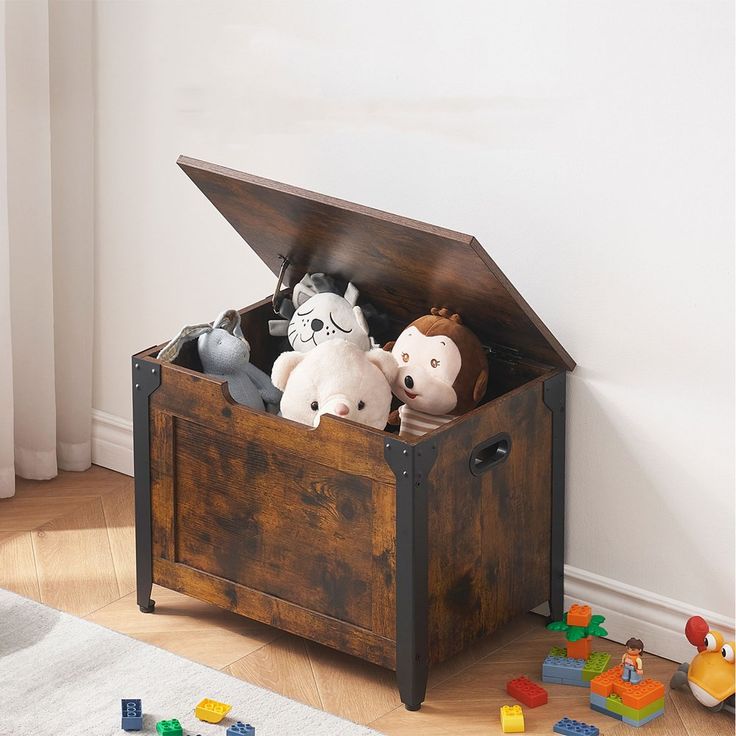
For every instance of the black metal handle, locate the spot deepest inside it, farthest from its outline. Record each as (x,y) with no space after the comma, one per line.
(490,453)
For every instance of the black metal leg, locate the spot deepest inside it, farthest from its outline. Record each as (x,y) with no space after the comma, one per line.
(411,465)
(555,399)
(146,379)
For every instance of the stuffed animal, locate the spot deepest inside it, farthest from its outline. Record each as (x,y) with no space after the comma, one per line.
(336,377)
(225,354)
(443,371)
(316,313)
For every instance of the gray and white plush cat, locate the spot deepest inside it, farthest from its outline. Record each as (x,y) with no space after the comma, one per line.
(317,313)
(225,355)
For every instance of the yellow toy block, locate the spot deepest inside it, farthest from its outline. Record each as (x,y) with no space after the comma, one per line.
(211,711)
(512,719)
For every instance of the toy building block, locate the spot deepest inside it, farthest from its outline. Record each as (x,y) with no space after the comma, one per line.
(635,705)
(211,711)
(171,727)
(569,727)
(241,729)
(132,719)
(512,719)
(579,615)
(581,648)
(527,692)
(595,665)
(564,671)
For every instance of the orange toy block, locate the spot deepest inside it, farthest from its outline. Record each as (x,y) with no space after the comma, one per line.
(633,696)
(579,649)
(603,684)
(578,616)
(641,695)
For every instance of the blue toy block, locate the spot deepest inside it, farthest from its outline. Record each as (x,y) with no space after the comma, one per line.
(606,712)
(547,678)
(132,719)
(569,727)
(241,729)
(598,700)
(631,722)
(564,667)
(576,683)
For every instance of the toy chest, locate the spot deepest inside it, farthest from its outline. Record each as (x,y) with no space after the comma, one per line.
(400,551)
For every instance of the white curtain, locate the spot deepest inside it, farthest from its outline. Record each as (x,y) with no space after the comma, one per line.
(46,238)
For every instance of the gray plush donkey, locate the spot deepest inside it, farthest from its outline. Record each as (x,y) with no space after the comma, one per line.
(225,355)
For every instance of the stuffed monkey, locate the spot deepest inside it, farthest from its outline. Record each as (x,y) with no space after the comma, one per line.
(443,371)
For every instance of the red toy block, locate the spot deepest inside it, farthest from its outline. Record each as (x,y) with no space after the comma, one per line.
(579,615)
(527,692)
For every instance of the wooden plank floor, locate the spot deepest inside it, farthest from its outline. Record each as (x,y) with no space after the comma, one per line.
(69,543)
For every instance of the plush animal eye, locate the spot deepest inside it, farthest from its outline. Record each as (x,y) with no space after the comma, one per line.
(405,357)
(434,362)
(710,643)
(361,405)
(727,652)
(314,406)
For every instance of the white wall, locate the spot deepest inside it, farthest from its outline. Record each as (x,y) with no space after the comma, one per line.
(588,146)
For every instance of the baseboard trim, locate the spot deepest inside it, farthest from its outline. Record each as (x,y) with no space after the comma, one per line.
(112,442)
(658,621)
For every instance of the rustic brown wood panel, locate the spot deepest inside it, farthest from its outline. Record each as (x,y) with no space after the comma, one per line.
(342,445)
(277,612)
(489,536)
(384,560)
(278,523)
(162,484)
(385,255)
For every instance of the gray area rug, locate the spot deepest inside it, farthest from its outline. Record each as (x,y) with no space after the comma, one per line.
(61,676)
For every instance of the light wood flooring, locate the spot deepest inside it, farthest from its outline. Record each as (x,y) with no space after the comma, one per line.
(69,543)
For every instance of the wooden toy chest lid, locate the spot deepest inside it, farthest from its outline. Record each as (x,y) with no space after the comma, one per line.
(402,266)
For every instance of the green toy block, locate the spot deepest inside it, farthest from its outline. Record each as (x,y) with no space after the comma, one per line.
(615,704)
(557,652)
(169,728)
(595,665)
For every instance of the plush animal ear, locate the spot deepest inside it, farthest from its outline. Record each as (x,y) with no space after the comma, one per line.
(389,346)
(385,362)
(284,365)
(351,295)
(186,334)
(360,319)
(481,383)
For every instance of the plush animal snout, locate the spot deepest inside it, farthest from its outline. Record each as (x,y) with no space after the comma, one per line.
(317,325)
(408,381)
(342,410)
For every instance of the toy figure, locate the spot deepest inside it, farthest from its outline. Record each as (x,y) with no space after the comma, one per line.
(443,371)
(633,668)
(711,674)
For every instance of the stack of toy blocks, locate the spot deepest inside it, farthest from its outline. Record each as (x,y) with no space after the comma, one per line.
(576,664)
(635,705)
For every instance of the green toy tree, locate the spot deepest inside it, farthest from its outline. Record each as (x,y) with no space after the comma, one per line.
(580,627)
